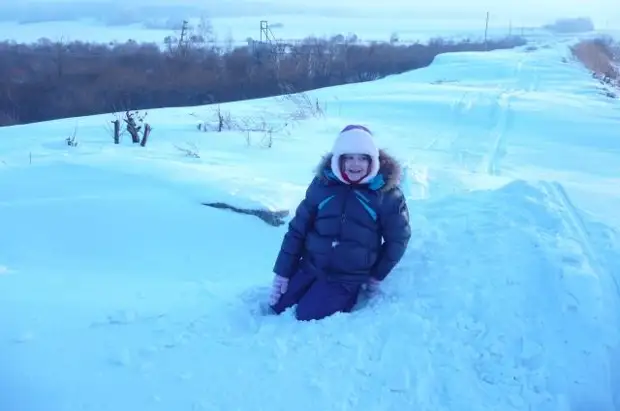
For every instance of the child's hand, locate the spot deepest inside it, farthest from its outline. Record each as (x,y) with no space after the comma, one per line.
(373,286)
(279,287)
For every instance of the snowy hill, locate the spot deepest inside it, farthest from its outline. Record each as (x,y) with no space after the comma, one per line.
(119,290)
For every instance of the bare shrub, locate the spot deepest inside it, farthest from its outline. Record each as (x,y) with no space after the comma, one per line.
(597,56)
(114,127)
(134,125)
(262,127)
(303,107)
(134,121)
(116,131)
(72,140)
(146,134)
(266,126)
(215,120)
(190,151)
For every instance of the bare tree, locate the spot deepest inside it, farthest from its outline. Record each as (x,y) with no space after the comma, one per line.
(59,56)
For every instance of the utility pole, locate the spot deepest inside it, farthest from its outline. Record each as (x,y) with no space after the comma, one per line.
(183,39)
(486,31)
(268,42)
(264,31)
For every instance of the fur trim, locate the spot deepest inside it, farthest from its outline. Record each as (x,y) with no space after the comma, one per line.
(389,168)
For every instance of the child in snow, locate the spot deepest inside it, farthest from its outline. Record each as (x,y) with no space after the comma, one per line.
(333,246)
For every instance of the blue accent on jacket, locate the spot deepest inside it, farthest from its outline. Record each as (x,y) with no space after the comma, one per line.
(348,232)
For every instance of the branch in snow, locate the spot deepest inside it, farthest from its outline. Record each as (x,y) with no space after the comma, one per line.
(192,151)
(72,141)
(273,218)
(267,125)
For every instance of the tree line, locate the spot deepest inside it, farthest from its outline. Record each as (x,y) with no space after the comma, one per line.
(49,80)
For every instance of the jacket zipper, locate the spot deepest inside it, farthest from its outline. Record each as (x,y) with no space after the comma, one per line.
(343,217)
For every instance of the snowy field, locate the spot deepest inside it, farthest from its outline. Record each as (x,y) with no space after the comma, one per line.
(120,291)
(292,27)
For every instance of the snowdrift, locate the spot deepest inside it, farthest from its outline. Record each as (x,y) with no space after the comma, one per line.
(504,301)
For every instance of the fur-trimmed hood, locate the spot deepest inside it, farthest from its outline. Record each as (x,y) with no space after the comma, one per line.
(390,171)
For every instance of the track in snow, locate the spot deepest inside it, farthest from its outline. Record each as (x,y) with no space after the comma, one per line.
(575,225)
(589,280)
(480,122)
(498,133)
(458,110)
(527,80)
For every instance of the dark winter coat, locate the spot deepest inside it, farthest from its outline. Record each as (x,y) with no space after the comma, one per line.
(337,230)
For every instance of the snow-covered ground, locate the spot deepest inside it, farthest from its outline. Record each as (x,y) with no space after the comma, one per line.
(120,291)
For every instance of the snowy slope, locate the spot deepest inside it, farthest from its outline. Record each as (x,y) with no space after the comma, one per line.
(118,290)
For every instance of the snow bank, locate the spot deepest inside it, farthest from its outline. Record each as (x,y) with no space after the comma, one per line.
(510,276)
(500,303)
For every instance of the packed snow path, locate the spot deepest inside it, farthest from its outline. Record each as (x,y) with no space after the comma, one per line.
(118,290)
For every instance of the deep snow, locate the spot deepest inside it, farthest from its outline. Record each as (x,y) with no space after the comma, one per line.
(119,291)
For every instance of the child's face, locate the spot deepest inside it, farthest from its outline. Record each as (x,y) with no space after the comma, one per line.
(356,166)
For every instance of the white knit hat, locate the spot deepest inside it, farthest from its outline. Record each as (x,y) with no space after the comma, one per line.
(354,139)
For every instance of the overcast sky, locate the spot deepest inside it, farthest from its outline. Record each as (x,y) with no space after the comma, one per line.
(600,10)
(597,8)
